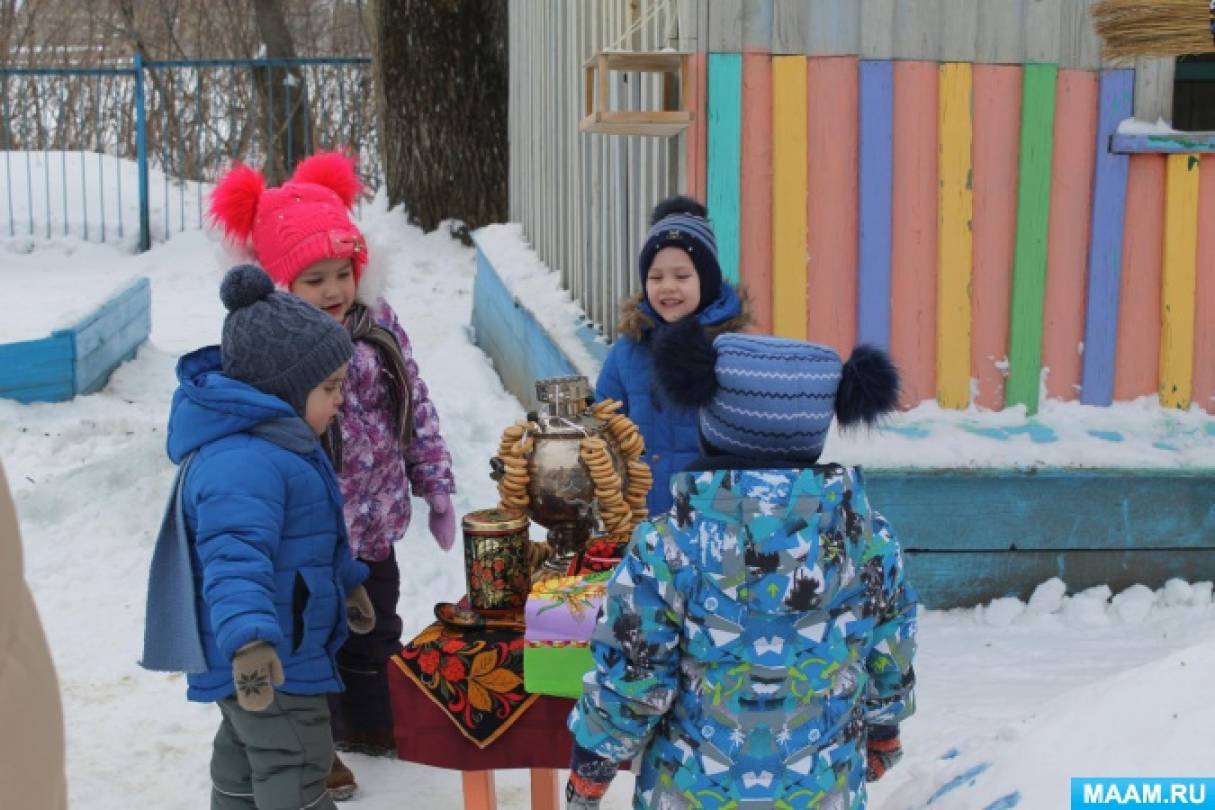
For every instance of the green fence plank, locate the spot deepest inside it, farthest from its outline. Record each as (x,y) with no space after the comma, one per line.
(1033,218)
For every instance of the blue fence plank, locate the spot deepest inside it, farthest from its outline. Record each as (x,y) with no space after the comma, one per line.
(725,157)
(1105,242)
(121,308)
(875,201)
(1055,510)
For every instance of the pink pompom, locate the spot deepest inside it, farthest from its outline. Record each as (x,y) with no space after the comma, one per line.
(334,171)
(234,201)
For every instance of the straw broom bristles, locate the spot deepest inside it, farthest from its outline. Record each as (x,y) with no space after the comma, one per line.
(1132,28)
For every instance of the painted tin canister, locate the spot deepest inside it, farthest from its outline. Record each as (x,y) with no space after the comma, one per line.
(495,558)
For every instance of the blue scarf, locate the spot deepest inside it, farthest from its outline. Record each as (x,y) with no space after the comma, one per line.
(172,641)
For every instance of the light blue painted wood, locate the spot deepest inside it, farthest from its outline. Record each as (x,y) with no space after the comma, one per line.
(1105,242)
(78,360)
(947,580)
(724,156)
(121,308)
(110,335)
(875,201)
(506,330)
(92,371)
(1048,510)
(1176,144)
(37,370)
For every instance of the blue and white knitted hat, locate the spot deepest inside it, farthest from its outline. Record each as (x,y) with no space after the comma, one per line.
(775,397)
(771,398)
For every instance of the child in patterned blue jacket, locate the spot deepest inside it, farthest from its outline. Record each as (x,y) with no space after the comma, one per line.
(755,647)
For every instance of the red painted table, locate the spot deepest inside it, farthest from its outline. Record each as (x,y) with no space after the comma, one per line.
(537,740)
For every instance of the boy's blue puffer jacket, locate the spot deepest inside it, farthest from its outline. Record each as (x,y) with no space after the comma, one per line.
(269,548)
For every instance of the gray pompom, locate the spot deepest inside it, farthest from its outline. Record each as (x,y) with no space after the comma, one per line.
(243,285)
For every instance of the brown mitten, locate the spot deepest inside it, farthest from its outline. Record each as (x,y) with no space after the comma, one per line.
(360,615)
(256,670)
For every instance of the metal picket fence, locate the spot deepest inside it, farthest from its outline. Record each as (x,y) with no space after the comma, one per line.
(108,153)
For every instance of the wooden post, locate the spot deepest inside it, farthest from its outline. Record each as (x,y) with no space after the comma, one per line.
(479,790)
(544,789)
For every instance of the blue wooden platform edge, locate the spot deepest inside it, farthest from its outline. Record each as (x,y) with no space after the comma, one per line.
(79,359)
(507,330)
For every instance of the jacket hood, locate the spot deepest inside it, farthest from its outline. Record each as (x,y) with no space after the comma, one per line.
(730,312)
(764,536)
(208,405)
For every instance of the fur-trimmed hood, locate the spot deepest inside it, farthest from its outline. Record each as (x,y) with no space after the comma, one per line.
(634,321)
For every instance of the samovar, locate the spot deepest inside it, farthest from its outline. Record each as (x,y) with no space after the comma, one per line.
(561,492)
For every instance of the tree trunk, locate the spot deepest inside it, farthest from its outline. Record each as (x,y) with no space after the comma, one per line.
(282,95)
(442,79)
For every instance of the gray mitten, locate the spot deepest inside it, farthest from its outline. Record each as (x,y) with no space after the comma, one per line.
(360,615)
(256,670)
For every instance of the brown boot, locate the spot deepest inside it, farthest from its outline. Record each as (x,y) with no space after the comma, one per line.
(369,743)
(340,781)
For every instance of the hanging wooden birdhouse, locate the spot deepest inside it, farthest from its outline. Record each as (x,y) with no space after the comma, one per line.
(664,122)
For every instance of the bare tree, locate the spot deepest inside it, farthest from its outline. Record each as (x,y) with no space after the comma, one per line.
(283,94)
(442,76)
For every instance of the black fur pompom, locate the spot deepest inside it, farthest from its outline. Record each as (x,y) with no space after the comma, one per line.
(679,204)
(684,360)
(869,388)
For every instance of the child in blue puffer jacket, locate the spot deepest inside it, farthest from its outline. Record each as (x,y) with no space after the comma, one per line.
(755,645)
(253,582)
(681,281)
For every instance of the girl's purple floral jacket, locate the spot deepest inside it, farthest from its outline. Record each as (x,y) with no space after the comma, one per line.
(376,476)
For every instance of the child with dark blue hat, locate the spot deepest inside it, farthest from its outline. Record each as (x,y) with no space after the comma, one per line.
(681,282)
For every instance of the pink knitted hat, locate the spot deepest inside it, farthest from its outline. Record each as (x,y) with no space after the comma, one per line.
(302,222)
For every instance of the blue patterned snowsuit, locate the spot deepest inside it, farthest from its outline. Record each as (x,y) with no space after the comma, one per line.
(747,641)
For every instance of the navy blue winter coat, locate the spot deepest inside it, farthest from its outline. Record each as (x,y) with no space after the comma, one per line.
(670,433)
(268,539)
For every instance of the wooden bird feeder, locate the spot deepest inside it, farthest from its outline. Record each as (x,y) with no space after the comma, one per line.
(662,123)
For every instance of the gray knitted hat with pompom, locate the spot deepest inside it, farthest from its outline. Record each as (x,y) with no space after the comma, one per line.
(277,343)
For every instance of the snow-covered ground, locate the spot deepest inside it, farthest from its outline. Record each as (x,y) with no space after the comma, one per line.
(1013,698)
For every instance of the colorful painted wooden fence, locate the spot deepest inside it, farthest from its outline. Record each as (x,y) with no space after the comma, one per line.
(984,222)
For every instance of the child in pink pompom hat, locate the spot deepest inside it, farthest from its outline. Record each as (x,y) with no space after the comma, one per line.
(386,438)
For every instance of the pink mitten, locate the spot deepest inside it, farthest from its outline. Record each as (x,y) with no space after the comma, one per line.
(442,519)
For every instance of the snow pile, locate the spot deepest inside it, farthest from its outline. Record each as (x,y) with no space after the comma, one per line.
(1015,698)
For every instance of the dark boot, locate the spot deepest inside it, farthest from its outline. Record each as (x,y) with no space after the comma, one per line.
(340,782)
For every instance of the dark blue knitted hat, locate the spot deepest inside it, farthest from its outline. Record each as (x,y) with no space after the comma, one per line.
(683,223)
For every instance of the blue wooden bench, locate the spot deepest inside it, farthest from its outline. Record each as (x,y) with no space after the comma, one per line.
(973,535)
(79,359)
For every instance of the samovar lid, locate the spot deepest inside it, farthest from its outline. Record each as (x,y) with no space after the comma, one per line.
(495,520)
